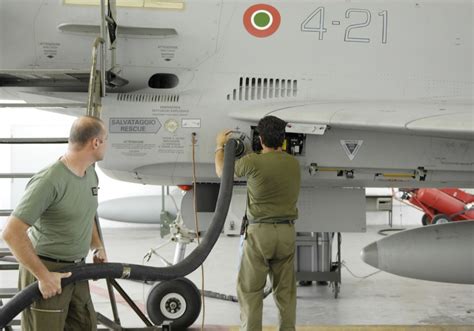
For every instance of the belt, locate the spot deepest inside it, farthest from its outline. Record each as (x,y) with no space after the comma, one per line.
(46,258)
(273,222)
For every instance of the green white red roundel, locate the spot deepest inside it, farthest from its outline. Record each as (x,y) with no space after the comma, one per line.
(261,20)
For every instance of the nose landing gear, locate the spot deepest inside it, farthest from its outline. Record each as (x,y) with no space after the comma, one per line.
(177,301)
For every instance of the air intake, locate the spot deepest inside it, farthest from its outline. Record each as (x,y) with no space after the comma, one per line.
(163,81)
(137,97)
(254,88)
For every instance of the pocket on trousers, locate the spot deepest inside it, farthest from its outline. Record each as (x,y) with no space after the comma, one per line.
(48,319)
(252,228)
(288,239)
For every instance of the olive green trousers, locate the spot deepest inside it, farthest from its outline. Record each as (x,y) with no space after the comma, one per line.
(70,310)
(269,249)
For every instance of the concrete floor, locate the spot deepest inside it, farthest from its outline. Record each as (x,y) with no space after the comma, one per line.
(381,299)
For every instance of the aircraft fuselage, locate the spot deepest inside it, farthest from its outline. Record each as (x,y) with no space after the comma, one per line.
(391,81)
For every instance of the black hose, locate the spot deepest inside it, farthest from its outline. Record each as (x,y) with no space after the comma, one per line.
(31,293)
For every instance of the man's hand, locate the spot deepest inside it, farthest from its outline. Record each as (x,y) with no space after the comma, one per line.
(15,235)
(98,250)
(99,256)
(223,137)
(50,284)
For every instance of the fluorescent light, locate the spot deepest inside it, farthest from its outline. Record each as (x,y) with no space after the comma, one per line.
(12,101)
(162,4)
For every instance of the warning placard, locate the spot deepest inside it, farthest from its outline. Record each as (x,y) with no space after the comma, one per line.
(351,147)
(134,125)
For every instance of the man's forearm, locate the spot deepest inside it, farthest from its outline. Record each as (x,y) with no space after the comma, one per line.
(99,254)
(96,242)
(16,237)
(221,140)
(219,161)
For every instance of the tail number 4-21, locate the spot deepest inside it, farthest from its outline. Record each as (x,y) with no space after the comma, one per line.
(315,22)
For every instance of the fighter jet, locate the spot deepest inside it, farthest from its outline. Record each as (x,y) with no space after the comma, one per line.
(376,94)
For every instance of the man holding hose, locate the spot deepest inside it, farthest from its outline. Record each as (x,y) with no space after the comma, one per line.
(53,227)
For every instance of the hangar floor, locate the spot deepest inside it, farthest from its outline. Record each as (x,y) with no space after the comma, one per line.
(381,301)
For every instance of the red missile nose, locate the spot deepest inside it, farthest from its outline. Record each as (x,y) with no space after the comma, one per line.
(185,187)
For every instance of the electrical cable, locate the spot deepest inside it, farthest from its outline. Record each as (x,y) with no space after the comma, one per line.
(220,296)
(196,224)
(382,232)
(229,297)
(343,263)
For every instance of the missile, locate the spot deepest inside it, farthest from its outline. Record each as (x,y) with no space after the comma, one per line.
(138,209)
(440,252)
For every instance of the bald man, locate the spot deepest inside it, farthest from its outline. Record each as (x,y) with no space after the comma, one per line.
(53,227)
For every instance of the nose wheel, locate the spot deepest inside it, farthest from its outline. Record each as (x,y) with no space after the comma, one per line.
(178,301)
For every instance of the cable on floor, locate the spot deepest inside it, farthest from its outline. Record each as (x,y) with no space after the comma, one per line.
(382,232)
(343,263)
(229,297)
(220,296)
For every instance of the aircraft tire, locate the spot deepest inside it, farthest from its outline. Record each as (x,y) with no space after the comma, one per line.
(178,301)
(440,219)
(425,219)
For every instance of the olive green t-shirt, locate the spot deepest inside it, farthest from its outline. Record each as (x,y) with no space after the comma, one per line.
(60,207)
(273,185)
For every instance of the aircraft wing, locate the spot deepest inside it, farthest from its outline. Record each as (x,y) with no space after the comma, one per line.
(62,91)
(62,78)
(440,119)
(65,100)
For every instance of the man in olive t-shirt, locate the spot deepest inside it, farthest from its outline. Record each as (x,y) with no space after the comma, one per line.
(273,184)
(53,227)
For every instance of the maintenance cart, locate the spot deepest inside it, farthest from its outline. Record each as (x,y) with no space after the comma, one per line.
(441,205)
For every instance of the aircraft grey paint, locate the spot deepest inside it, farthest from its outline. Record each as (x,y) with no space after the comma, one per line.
(393,75)
(138,209)
(381,92)
(441,252)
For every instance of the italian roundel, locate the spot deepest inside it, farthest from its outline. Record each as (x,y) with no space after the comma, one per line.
(261,20)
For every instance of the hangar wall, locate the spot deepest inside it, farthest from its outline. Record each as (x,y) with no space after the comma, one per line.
(29,123)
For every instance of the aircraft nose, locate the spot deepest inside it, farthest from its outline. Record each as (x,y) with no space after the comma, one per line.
(370,255)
